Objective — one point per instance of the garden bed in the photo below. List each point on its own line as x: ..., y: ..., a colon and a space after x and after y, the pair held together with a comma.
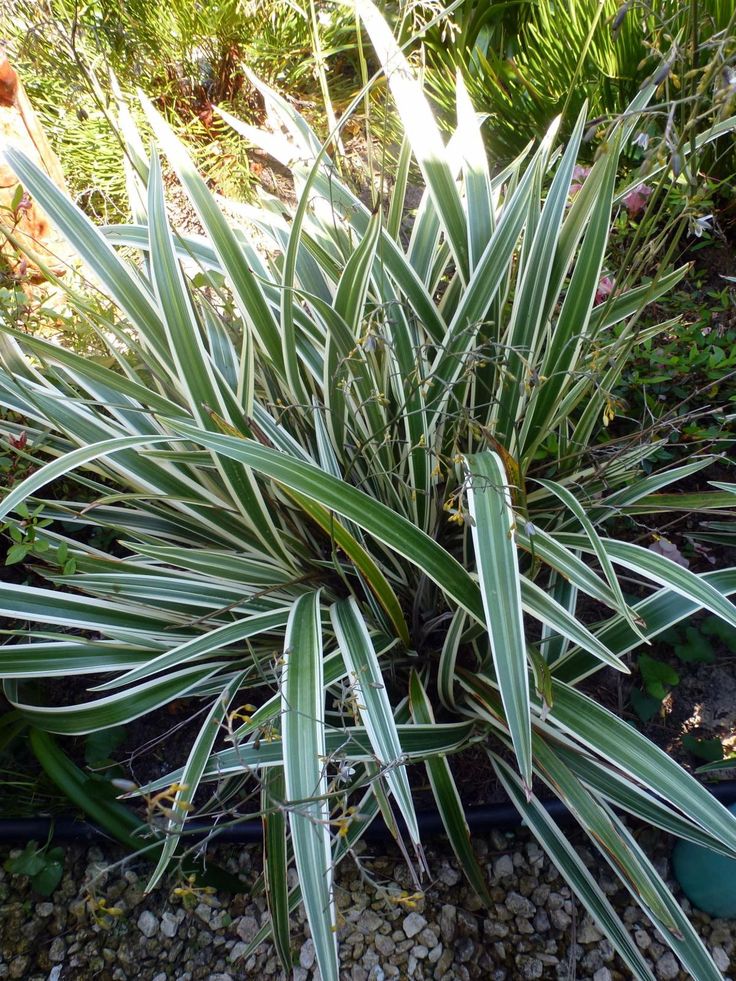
x: 536, y: 929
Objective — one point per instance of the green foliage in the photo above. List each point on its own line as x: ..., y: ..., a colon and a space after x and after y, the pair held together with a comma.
x: 98, y: 746
x: 657, y: 676
x: 188, y: 57
x: 321, y: 469
x: 43, y: 865
x: 524, y: 63
x: 710, y: 750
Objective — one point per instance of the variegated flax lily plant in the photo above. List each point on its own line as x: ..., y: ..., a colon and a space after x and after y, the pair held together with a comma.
x: 325, y: 465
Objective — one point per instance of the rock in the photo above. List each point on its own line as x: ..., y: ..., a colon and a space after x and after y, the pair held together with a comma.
x: 147, y: 923
x: 519, y: 905
x: 307, y: 954
x: 560, y: 919
x: 384, y: 945
x: 721, y: 959
x: 540, y: 895
x: 247, y: 927
x: 603, y: 974
x: 420, y: 952
x: 530, y: 968
x: 589, y: 933
x: 642, y: 938
x: 541, y: 921
x: 667, y: 967
x: 464, y: 949
x: 448, y: 923
x: 57, y: 950
x: 44, y: 909
x: 237, y: 951
x: 443, y: 964
x: 503, y: 867
x: 369, y: 923
x: 18, y: 967
x: 169, y: 925
x: 413, y: 923
x: 449, y: 875
x: 429, y: 938
x: 204, y: 912
x: 435, y: 953
x: 592, y: 961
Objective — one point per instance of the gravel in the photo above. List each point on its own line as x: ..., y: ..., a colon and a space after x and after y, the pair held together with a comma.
x: 535, y: 929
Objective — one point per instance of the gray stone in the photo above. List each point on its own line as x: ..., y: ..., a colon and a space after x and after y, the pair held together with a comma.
x: 169, y: 925
x: 147, y: 923
x: 384, y: 945
x: 18, y: 967
x: 464, y: 949
x: 541, y: 921
x: 44, y: 909
x: 560, y: 919
x: 413, y: 923
x: 530, y: 968
x: 603, y: 974
x: 519, y: 905
x: 307, y: 954
x: 435, y: 953
x: 589, y: 933
x: 247, y: 927
x: 540, y: 895
x: 237, y: 951
x: 721, y: 959
x: 642, y: 938
x: 449, y: 875
x: 592, y: 961
x: 420, y: 952
x: 667, y: 967
x: 369, y: 923
x: 428, y: 937
x: 204, y: 912
x: 57, y: 950
x: 503, y: 867
x: 448, y: 923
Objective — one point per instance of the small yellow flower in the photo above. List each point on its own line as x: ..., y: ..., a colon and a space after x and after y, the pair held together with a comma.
x: 243, y: 713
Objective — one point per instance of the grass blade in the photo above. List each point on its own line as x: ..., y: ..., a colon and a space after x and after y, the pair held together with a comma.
x: 305, y: 754
x: 193, y: 770
x: 422, y: 131
x: 275, y: 861
x: 369, y: 689
x: 489, y: 501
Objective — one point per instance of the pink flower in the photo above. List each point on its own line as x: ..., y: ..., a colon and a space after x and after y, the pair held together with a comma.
x: 578, y: 175
x: 636, y: 201
x: 605, y: 288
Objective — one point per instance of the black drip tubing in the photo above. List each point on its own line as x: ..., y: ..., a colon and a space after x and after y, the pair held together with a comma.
x: 481, y: 819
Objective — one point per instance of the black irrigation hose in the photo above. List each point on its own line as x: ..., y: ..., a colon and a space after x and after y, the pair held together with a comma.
x: 481, y: 818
